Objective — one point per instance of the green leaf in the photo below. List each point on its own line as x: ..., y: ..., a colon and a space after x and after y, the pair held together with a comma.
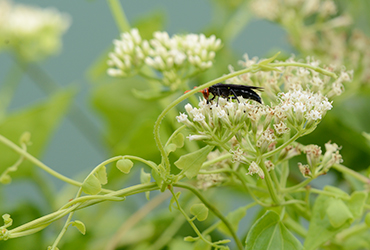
x: 269, y: 60
x: 80, y: 226
x: 367, y: 219
x: 202, y: 245
x: 268, y: 232
x: 101, y: 174
x: 158, y: 179
x: 170, y: 148
x: 145, y: 178
x: 338, y: 212
x: 91, y: 185
x: 321, y: 229
x: 40, y: 120
x: 192, y: 162
x: 337, y: 191
x: 200, y: 211
x: 129, y: 120
x: 124, y: 165
x: 150, y: 23
x: 191, y: 239
x: 357, y: 202
x: 234, y: 218
x: 178, y: 140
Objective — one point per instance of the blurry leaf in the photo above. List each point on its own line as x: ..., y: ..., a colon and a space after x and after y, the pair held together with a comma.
x: 101, y: 174
x: 150, y: 23
x: 145, y: 178
x: 91, y: 185
x: 201, y: 245
x: 179, y: 243
x: 157, y: 178
x: 321, y: 229
x: 130, y: 121
x: 357, y: 202
x: 178, y: 140
x: 151, y: 95
x: 80, y: 226
x: 99, y: 68
x: 338, y: 212
x: 40, y: 120
x: 268, y: 232
x: 367, y: 219
x: 191, y: 239
x: 234, y: 218
x: 200, y: 211
x: 170, y: 148
x: 336, y: 190
x: 192, y: 162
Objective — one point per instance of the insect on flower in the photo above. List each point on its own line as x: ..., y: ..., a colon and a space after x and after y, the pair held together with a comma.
x: 233, y: 90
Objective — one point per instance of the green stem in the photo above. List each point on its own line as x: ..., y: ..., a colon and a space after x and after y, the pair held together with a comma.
x: 136, y: 158
x: 356, y: 229
x: 293, y: 188
x: 119, y: 15
x: 284, y: 174
x: 85, y: 202
x: 348, y: 171
x: 270, y: 185
x: 304, y: 65
x: 214, y: 210
x: 220, y: 158
x: 66, y: 224
x: 174, y: 134
x: 216, y: 224
x: 190, y: 221
x: 270, y: 153
x: 38, y: 163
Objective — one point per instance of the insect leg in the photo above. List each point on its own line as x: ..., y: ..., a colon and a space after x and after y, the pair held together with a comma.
x: 234, y: 94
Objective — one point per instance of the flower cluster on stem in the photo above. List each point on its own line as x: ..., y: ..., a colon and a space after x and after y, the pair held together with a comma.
x: 174, y: 58
x: 32, y: 33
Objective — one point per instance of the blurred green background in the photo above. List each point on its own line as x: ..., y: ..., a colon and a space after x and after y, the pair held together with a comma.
x: 75, y: 145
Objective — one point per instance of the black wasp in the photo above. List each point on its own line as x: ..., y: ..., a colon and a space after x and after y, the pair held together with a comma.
x: 234, y: 90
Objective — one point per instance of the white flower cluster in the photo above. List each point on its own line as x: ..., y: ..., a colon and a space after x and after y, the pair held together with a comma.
x: 33, y: 33
x: 318, y: 163
x: 282, y: 10
x: 301, y: 106
x: 293, y: 78
x: 163, y: 53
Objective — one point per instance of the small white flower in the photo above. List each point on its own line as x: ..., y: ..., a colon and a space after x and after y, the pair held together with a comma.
x: 237, y: 155
x: 281, y: 128
x: 198, y: 117
x: 182, y: 117
x: 255, y: 169
x: 313, y: 115
x: 197, y: 137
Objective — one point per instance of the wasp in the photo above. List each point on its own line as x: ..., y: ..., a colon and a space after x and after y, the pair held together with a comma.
x: 233, y: 90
